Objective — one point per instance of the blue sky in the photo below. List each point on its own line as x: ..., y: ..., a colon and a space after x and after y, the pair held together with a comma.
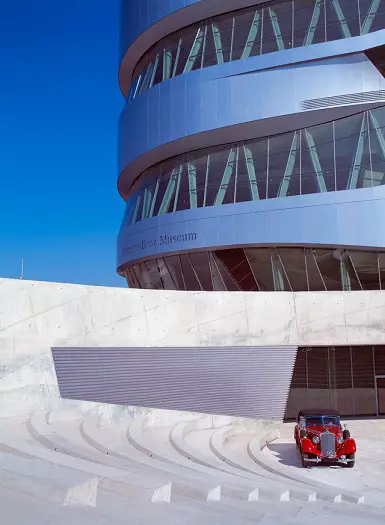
x: 59, y: 107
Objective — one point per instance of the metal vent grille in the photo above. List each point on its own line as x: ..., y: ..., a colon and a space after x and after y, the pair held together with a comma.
x: 342, y: 100
x: 328, y: 444
x: 236, y: 381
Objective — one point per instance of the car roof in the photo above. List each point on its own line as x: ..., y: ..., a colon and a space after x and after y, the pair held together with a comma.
x: 318, y: 412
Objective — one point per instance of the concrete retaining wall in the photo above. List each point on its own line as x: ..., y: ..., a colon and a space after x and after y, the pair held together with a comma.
x: 35, y: 316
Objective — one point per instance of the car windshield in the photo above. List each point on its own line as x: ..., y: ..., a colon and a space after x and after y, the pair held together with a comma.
x: 314, y: 421
x: 331, y: 420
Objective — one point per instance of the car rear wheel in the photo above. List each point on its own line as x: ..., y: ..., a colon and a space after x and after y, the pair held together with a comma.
x: 352, y: 458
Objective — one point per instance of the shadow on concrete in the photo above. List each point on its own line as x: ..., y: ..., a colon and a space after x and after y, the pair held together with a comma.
x: 287, y: 454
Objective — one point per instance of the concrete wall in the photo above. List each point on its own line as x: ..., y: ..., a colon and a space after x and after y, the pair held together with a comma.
x: 35, y: 316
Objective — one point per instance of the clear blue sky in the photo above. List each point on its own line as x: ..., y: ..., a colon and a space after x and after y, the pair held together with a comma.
x: 59, y: 109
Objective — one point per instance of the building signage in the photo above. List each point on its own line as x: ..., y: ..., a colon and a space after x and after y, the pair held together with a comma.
x: 162, y: 240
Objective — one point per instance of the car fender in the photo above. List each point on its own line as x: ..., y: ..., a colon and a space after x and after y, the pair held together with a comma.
x: 348, y: 447
x: 307, y: 446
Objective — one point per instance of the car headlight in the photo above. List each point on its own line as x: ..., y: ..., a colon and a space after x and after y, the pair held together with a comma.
x: 340, y: 440
x: 316, y: 440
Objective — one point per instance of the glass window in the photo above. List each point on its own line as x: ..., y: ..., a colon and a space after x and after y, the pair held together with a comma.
x: 316, y: 282
x: 366, y: 267
x: 255, y: 155
x: 189, y: 275
x: 221, y: 176
x: 341, y: 380
x: 377, y: 140
x: 277, y: 27
x: 293, y: 260
x: 363, y: 381
x: 173, y: 265
x: 309, y: 22
x: 329, y: 264
x: 247, y: 34
x: 342, y: 19
x: 284, y: 153
x: 238, y: 266
x: 379, y: 360
x: 230, y: 284
x: 317, y: 156
x: 260, y: 263
x: 350, y: 136
x: 318, y: 377
x: 372, y: 15
x: 200, y: 263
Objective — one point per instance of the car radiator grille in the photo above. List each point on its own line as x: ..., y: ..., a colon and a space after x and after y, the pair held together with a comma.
x: 328, y: 444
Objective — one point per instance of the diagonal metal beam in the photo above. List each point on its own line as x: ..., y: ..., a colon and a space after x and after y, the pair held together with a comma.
x: 178, y: 187
x: 177, y: 57
x: 355, y: 171
x: 151, y: 212
x: 169, y: 193
x: 218, y: 44
x: 345, y: 31
x: 289, y: 167
x: 194, y: 52
x: 276, y: 29
x: 320, y: 179
x: 251, y: 173
x: 192, y: 184
x: 313, y: 23
x: 167, y: 61
x: 380, y: 138
x: 206, y: 180
x: 253, y: 33
x: 147, y: 78
x: 225, y: 178
x: 156, y: 63
x: 369, y: 19
x: 136, y: 211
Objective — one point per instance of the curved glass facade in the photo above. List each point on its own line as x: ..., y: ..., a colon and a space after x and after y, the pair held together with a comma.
x: 255, y: 31
x: 344, y: 154
x: 263, y: 270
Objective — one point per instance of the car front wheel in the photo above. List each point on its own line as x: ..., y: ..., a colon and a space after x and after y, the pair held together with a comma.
x: 305, y: 463
x: 352, y: 458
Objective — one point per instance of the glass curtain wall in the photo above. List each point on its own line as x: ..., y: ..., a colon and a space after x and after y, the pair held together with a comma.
x: 255, y: 31
x: 344, y: 154
x: 343, y: 378
x: 276, y: 269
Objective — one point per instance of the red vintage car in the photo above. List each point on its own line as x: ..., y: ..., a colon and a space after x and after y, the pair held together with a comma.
x: 320, y: 438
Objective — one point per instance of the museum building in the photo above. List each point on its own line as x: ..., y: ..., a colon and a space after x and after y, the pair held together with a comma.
x: 252, y: 159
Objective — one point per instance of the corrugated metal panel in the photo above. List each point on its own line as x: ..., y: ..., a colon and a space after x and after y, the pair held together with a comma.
x: 342, y: 100
x: 238, y: 381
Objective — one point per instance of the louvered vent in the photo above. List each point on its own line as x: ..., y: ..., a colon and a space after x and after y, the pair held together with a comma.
x: 342, y: 100
x: 235, y: 381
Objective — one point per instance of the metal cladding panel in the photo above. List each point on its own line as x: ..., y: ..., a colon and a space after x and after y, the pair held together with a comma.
x: 237, y: 381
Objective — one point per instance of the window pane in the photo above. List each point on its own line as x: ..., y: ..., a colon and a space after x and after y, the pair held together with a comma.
x: 328, y: 261
x: 277, y: 27
x: 379, y: 360
x: 200, y: 262
x: 348, y: 137
x: 174, y: 268
x: 318, y: 377
x: 363, y: 381
x: 366, y: 266
x: 189, y: 276
x: 283, y: 156
x: 341, y: 380
x: 293, y: 260
x: 238, y: 266
x: 341, y: 19
x: 317, y: 167
x: 260, y: 262
x: 309, y: 22
x: 230, y: 283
